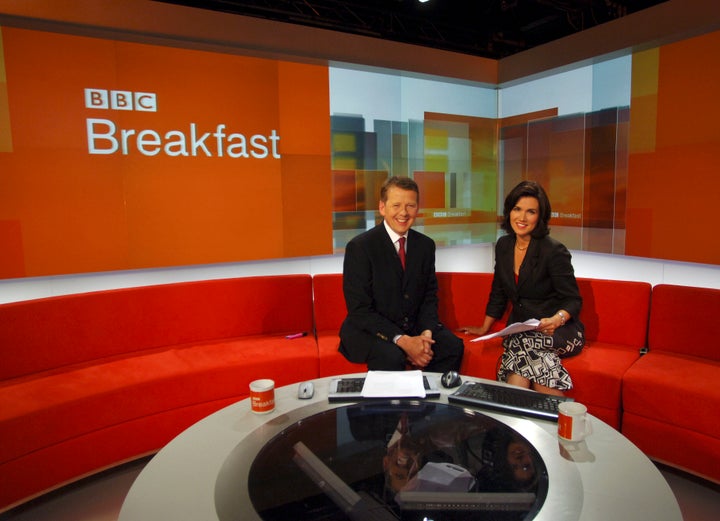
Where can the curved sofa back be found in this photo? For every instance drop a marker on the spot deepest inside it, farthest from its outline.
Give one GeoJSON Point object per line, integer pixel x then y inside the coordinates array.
{"type": "Point", "coordinates": [615, 311]}
{"type": "Point", "coordinates": [45, 334]}
{"type": "Point", "coordinates": [328, 301]}
{"type": "Point", "coordinates": [683, 320]}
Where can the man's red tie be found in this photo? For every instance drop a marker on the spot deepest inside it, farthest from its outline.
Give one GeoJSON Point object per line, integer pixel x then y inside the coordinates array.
{"type": "Point", "coordinates": [401, 251]}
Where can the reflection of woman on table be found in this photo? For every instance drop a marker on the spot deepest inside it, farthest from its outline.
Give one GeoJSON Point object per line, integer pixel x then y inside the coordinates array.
{"type": "Point", "coordinates": [509, 464]}
{"type": "Point", "coordinates": [534, 272]}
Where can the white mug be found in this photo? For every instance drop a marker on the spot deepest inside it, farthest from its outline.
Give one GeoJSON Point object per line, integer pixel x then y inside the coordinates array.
{"type": "Point", "coordinates": [573, 422]}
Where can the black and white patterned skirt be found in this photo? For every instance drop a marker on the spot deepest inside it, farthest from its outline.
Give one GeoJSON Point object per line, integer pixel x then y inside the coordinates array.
{"type": "Point", "coordinates": [537, 357]}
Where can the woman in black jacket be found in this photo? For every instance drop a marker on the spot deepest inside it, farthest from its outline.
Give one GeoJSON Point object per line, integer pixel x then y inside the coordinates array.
{"type": "Point", "coordinates": [534, 273]}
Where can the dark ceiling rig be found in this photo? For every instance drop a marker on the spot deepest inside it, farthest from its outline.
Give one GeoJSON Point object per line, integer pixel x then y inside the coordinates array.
{"type": "Point", "coordinates": [488, 28]}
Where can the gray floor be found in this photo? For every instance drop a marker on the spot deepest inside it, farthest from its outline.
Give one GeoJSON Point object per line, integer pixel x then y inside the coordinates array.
{"type": "Point", "coordinates": [99, 498]}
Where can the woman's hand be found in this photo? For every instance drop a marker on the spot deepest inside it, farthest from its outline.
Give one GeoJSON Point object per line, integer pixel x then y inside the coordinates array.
{"type": "Point", "coordinates": [473, 330]}
{"type": "Point", "coordinates": [479, 330]}
{"type": "Point", "coordinates": [549, 325]}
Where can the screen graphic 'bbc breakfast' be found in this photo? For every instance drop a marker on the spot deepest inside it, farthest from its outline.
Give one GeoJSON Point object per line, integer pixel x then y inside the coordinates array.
{"type": "Point", "coordinates": [119, 155]}
{"type": "Point", "coordinates": [105, 136]}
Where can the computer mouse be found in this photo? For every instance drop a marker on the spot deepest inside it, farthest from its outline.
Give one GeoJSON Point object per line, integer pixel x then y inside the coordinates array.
{"type": "Point", "coordinates": [450, 379]}
{"type": "Point", "coordinates": [306, 390]}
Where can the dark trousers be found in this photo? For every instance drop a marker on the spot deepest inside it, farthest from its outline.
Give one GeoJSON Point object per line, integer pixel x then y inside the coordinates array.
{"type": "Point", "coordinates": [386, 356]}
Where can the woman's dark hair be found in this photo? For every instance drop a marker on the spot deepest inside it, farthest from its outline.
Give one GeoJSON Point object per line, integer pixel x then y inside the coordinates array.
{"type": "Point", "coordinates": [528, 189]}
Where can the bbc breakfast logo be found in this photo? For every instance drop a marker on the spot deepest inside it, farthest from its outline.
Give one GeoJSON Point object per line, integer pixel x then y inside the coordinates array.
{"type": "Point", "coordinates": [120, 100]}
{"type": "Point", "coordinates": [105, 137]}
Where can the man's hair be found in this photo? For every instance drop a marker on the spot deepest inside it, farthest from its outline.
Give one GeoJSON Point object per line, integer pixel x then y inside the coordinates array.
{"type": "Point", "coordinates": [404, 183]}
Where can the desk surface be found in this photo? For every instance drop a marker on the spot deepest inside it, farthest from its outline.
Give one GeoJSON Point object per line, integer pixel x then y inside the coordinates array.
{"type": "Point", "coordinates": [605, 477]}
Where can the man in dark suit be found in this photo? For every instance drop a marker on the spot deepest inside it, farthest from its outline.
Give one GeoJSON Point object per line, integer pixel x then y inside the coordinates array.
{"type": "Point", "coordinates": [392, 316]}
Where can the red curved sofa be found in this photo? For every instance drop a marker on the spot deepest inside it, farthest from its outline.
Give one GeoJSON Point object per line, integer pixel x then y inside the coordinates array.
{"type": "Point", "coordinates": [92, 380]}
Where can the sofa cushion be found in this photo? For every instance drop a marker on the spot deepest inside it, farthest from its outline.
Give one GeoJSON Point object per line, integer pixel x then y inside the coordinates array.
{"type": "Point", "coordinates": [615, 311]}
{"type": "Point", "coordinates": [329, 311]}
{"type": "Point", "coordinates": [685, 449]}
{"type": "Point", "coordinates": [615, 315]}
{"type": "Point", "coordinates": [52, 467]}
{"type": "Point", "coordinates": [683, 320]}
{"type": "Point", "coordinates": [331, 361]}
{"type": "Point", "coordinates": [481, 359]}
{"type": "Point", "coordinates": [670, 406]}
{"type": "Point", "coordinates": [328, 301]}
{"type": "Point", "coordinates": [597, 374]}
{"type": "Point", "coordinates": [47, 409]}
{"type": "Point", "coordinates": [675, 389]}
{"type": "Point", "coordinates": [462, 298]}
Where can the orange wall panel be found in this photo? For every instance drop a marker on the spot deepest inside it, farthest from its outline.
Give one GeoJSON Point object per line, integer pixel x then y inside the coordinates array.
{"type": "Point", "coordinates": [668, 177]}
{"type": "Point", "coordinates": [231, 160]}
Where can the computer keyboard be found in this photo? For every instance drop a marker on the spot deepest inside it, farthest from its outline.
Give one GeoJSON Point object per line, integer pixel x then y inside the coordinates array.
{"type": "Point", "coordinates": [350, 385]}
{"type": "Point", "coordinates": [508, 400]}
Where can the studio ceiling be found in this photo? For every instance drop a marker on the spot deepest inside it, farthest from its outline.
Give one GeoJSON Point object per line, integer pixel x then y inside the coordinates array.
{"type": "Point", "coordinates": [488, 28]}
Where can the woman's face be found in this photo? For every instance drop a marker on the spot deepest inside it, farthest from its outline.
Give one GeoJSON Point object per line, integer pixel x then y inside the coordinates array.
{"type": "Point", "coordinates": [521, 462]}
{"type": "Point", "coordinates": [524, 216]}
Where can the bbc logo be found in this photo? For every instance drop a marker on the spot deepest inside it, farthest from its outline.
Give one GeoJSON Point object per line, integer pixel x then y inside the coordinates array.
{"type": "Point", "coordinates": [120, 100]}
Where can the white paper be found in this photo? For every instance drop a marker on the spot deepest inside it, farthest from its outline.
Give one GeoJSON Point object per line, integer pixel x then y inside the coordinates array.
{"type": "Point", "coordinates": [393, 384]}
{"type": "Point", "coordinates": [517, 327]}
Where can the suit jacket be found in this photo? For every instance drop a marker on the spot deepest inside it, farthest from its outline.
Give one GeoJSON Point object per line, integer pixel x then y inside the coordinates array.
{"type": "Point", "coordinates": [546, 282]}
{"type": "Point", "coordinates": [382, 299]}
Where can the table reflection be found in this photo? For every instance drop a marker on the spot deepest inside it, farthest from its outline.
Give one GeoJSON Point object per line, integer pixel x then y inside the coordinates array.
{"type": "Point", "coordinates": [403, 460]}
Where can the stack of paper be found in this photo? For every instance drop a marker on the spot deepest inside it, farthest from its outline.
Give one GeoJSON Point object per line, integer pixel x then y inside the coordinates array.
{"type": "Point", "coordinates": [393, 384]}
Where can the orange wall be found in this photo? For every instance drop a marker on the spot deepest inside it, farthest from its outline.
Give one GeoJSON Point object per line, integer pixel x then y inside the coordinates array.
{"type": "Point", "coordinates": [68, 205]}
{"type": "Point", "coordinates": [114, 212]}
{"type": "Point", "coordinates": [675, 152]}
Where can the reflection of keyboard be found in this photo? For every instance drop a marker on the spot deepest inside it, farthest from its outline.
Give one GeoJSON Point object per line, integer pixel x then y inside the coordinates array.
{"type": "Point", "coordinates": [508, 400]}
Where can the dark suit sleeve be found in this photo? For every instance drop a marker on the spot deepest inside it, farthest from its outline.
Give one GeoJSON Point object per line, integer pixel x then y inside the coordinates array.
{"type": "Point", "coordinates": [381, 299]}
{"type": "Point", "coordinates": [361, 292]}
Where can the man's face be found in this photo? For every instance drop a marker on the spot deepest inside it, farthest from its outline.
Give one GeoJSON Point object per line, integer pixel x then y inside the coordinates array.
{"type": "Point", "coordinates": [400, 209]}
{"type": "Point", "coordinates": [400, 464]}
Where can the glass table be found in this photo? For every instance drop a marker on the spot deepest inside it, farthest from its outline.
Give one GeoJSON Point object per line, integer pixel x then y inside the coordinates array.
{"type": "Point", "coordinates": [311, 459]}
{"type": "Point", "coordinates": [397, 460]}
